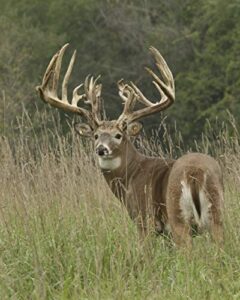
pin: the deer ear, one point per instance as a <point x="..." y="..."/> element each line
<point x="134" y="128"/>
<point x="83" y="129"/>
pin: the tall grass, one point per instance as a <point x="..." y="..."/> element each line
<point x="63" y="235"/>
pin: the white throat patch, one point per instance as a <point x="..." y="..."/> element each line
<point x="109" y="164"/>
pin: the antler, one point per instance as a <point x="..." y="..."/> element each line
<point x="131" y="93"/>
<point x="92" y="90"/>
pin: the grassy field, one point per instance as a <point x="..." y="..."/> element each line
<point x="63" y="235"/>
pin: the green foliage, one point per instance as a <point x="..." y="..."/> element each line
<point x="199" y="39"/>
<point x="211" y="83"/>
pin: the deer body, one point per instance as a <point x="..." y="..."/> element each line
<point x="183" y="193"/>
<point x="174" y="195"/>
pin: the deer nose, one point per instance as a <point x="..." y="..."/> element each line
<point x="101" y="150"/>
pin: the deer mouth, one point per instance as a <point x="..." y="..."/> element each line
<point x="109" y="162"/>
<point x="106" y="156"/>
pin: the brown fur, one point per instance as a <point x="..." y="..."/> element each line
<point x="150" y="188"/>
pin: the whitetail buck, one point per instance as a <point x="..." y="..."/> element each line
<point x="177" y="194"/>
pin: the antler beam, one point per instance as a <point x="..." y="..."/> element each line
<point x="48" y="90"/>
<point x="130" y="94"/>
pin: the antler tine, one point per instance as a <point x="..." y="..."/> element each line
<point x="48" y="88"/>
<point x="165" y="87"/>
<point x="93" y="95"/>
<point x="98" y="101"/>
<point x="75" y="96"/>
<point x="57" y="70"/>
<point x="66" y="77"/>
<point x="48" y="72"/>
<point x="129" y="97"/>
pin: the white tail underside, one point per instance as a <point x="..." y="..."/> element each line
<point x="188" y="208"/>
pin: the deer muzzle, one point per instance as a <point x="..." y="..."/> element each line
<point x="103" y="150"/>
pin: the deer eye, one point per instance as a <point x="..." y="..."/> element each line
<point x="96" y="136"/>
<point x="118" y="136"/>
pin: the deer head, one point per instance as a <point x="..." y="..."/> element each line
<point x="112" y="136"/>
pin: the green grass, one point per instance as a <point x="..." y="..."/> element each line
<point x="63" y="235"/>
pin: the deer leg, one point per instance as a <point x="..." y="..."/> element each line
<point x="181" y="233"/>
<point x="216" y="227"/>
<point x="179" y="216"/>
<point x="142" y="231"/>
<point x="180" y="229"/>
<point x="217" y="232"/>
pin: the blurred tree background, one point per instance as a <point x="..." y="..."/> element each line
<point x="200" y="40"/>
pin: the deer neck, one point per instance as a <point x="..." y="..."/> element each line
<point x="128" y="162"/>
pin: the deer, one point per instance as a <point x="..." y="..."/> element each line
<point x="175" y="195"/>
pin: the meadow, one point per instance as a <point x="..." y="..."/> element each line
<point x="63" y="235"/>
